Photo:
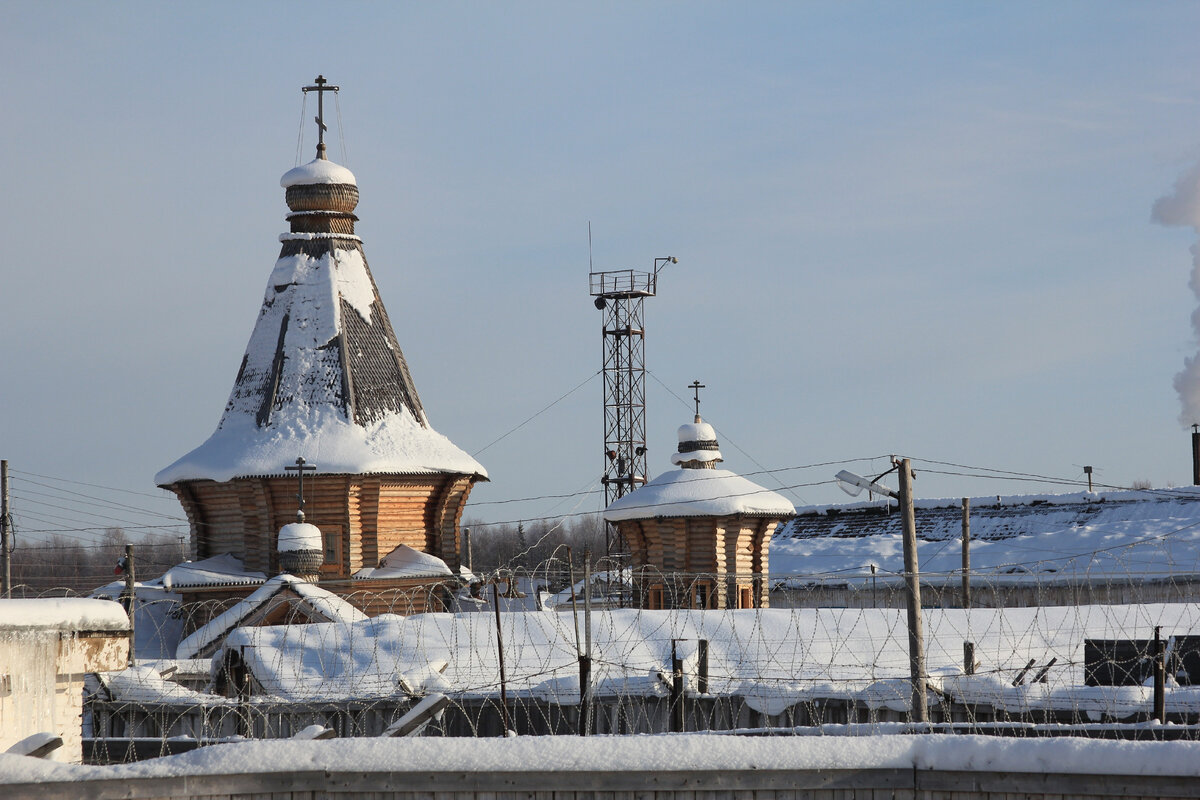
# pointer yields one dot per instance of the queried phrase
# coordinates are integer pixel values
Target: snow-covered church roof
(698, 489)
(323, 375)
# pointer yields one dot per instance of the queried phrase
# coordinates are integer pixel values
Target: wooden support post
(1017, 681)
(912, 576)
(5, 532)
(702, 678)
(1160, 676)
(500, 650)
(968, 658)
(966, 552)
(131, 594)
(677, 720)
(585, 699)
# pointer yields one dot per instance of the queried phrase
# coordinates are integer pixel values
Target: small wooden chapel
(324, 391)
(699, 536)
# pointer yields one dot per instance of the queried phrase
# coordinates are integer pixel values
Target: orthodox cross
(696, 386)
(320, 88)
(301, 468)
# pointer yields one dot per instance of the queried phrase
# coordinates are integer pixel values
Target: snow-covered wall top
(63, 614)
(318, 170)
(698, 493)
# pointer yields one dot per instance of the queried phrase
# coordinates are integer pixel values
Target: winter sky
(921, 229)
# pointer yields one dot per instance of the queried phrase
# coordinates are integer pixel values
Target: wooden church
(699, 536)
(324, 398)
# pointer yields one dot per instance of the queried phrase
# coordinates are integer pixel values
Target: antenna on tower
(620, 294)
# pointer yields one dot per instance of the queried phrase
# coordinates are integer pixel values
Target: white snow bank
(696, 493)
(319, 170)
(63, 614)
(684, 752)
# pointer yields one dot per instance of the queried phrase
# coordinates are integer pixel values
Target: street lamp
(854, 484)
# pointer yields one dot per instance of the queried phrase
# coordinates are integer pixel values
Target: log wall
(364, 517)
(729, 554)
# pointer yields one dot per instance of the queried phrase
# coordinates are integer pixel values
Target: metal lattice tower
(621, 294)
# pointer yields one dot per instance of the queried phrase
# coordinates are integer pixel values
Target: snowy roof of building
(323, 377)
(1150, 533)
(316, 602)
(406, 562)
(223, 570)
(699, 493)
(319, 170)
(63, 614)
(697, 442)
(299, 536)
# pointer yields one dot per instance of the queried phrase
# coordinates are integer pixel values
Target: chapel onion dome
(301, 549)
(698, 447)
(322, 197)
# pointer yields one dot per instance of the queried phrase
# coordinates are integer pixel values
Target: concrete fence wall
(895, 784)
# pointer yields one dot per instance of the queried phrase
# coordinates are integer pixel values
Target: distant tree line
(65, 566)
(528, 546)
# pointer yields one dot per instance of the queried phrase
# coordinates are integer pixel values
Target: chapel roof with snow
(323, 373)
(698, 488)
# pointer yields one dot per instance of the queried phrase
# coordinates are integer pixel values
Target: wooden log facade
(362, 517)
(698, 537)
(700, 562)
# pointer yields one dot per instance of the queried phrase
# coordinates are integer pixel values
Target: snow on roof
(299, 536)
(698, 493)
(145, 684)
(325, 603)
(774, 658)
(406, 562)
(63, 614)
(300, 392)
(319, 170)
(1044, 538)
(697, 442)
(223, 570)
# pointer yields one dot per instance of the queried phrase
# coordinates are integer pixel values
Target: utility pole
(5, 532)
(966, 552)
(912, 577)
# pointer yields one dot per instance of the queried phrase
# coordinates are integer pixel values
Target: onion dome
(698, 447)
(301, 549)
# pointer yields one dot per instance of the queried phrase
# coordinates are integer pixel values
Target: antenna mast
(620, 294)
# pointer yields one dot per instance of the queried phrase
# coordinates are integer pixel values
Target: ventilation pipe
(1196, 455)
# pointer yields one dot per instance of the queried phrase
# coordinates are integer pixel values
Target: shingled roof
(323, 374)
(1116, 533)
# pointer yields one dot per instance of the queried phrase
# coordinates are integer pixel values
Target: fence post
(676, 690)
(1160, 676)
(702, 678)
(131, 593)
(500, 650)
(969, 658)
(966, 552)
(916, 639)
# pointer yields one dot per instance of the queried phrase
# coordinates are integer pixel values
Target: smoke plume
(1182, 207)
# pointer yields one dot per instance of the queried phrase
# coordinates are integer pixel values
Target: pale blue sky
(901, 228)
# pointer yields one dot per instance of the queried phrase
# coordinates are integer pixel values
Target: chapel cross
(301, 467)
(696, 386)
(320, 88)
